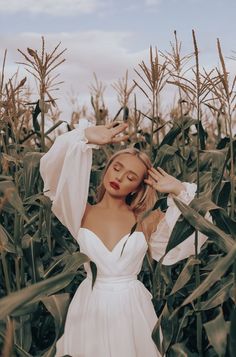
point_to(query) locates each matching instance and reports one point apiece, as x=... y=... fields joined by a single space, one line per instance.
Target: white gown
x=117 y=317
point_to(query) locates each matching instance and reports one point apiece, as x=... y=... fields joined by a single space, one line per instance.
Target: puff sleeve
x=65 y=170
x=160 y=237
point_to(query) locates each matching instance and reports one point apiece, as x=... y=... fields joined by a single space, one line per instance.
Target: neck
x=111 y=202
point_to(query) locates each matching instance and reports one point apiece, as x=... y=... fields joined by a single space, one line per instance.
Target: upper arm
x=87 y=209
x=151 y=222
x=65 y=170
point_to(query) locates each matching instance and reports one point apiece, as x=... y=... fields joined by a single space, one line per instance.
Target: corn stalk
x=176 y=64
x=41 y=65
x=153 y=81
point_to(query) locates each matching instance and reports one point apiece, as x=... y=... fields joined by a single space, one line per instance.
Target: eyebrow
x=118 y=162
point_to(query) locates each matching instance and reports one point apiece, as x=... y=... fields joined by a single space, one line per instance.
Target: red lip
x=114 y=185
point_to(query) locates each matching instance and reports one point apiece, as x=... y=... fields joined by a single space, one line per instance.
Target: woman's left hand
x=161 y=181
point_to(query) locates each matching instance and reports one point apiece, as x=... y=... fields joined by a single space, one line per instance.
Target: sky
x=108 y=37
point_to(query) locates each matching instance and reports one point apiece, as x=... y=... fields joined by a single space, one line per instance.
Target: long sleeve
x=159 y=239
x=65 y=170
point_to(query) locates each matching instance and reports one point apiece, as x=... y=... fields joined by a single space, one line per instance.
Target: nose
x=119 y=176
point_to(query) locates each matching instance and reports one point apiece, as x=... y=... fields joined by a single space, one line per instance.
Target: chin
x=114 y=193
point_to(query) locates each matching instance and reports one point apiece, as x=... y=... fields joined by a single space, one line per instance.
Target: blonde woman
x=116 y=317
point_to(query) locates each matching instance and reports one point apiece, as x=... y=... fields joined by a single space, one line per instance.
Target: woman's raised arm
x=160 y=237
x=65 y=169
x=184 y=191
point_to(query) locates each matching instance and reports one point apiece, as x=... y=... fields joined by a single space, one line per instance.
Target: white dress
x=116 y=317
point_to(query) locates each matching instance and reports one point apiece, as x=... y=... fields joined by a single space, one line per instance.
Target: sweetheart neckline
x=104 y=245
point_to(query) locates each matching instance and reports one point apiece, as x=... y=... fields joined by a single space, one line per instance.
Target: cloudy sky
x=109 y=36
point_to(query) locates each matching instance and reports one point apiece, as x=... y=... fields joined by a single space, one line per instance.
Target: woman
x=116 y=317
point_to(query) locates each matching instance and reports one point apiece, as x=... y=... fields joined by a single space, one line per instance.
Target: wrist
x=86 y=135
x=84 y=128
x=178 y=189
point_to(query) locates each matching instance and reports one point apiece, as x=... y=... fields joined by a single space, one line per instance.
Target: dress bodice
x=112 y=263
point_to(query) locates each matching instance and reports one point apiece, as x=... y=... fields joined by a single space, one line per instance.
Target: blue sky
x=108 y=36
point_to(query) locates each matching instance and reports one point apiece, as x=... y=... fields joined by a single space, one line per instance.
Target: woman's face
x=124 y=175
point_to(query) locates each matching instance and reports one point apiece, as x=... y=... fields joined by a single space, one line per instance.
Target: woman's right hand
x=106 y=134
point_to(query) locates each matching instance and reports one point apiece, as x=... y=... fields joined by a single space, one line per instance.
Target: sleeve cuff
x=186 y=195
x=80 y=127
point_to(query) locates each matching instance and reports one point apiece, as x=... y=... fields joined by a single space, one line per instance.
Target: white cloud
x=152 y=2
x=104 y=53
x=52 y=7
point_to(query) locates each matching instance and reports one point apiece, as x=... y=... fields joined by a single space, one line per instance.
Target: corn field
x=41 y=265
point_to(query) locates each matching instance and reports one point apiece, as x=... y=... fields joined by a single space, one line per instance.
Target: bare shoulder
x=86 y=212
x=151 y=222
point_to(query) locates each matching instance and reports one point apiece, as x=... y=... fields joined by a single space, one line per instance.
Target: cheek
x=131 y=186
x=108 y=174
x=107 y=177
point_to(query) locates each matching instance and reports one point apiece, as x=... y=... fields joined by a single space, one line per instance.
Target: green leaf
x=71 y=263
x=224 y=194
x=167 y=327
x=180 y=350
x=219 y=295
x=223 y=221
x=31 y=171
x=18 y=349
x=31 y=247
x=185 y=227
x=18 y=299
x=223 y=240
x=219 y=161
x=11 y=195
x=217 y=330
x=57 y=305
x=165 y=153
x=172 y=134
x=185 y=274
x=232 y=335
x=28 y=308
x=93 y=268
x=6 y=241
x=214 y=276
x=157 y=335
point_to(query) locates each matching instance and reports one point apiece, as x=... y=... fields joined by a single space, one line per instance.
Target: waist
x=113 y=283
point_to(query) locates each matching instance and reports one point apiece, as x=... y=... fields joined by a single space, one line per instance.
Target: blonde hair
x=145 y=196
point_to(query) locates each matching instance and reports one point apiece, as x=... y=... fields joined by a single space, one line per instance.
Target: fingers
x=115 y=124
x=118 y=139
x=158 y=171
x=111 y=125
x=163 y=172
x=153 y=184
x=155 y=175
x=119 y=128
x=149 y=182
